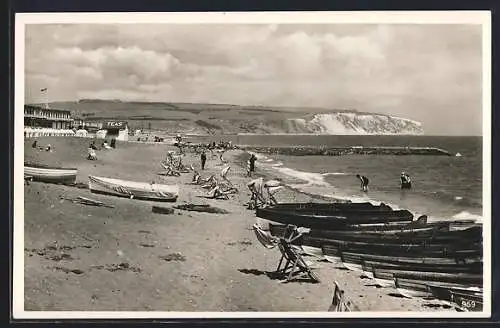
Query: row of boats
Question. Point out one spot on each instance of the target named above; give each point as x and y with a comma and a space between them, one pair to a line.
442, 260
103, 185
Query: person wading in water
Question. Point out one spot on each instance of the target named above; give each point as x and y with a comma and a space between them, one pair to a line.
405, 181
364, 182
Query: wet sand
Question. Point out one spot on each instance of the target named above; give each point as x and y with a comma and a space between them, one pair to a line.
126, 258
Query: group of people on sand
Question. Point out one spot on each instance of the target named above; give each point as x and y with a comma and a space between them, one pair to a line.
262, 192
404, 180
46, 148
91, 151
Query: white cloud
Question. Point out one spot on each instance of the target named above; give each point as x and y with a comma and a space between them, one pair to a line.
377, 67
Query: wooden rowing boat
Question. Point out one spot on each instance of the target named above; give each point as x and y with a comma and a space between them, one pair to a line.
132, 189
458, 278
436, 236
330, 220
50, 174
356, 263
401, 248
471, 300
416, 288
473, 268
345, 207
473, 251
414, 260
418, 225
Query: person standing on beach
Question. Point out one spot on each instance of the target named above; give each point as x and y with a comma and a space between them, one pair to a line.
252, 160
364, 182
251, 165
405, 181
203, 158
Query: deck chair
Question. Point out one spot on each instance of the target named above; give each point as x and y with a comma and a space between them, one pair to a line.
264, 237
294, 261
271, 191
217, 193
291, 233
257, 199
228, 188
208, 183
340, 303
169, 171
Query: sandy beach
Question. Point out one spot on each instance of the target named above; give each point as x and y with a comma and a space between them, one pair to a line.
126, 258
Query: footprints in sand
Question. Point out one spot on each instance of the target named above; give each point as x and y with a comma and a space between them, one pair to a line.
177, 257
146, 245
66, 270
123, 266
55, 252
242, 243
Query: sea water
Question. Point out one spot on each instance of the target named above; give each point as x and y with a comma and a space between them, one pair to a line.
443, 187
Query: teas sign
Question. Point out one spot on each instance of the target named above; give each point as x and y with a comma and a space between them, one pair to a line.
115, 125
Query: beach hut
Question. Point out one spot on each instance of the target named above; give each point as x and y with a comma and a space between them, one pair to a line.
81, 133
116, 130
101, 134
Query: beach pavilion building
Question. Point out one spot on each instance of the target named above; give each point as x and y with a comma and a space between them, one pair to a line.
40, 121
115, 130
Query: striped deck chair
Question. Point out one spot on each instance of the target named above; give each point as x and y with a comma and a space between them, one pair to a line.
340, 303
264, 237
294, 261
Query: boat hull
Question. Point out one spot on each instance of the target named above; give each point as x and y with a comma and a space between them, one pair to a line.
334, 250
458, 278
469, 300
329, 220
52, 175
132, 189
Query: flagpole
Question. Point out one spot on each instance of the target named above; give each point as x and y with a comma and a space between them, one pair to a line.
45, 92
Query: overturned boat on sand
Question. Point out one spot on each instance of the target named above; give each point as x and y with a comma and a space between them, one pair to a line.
135, 190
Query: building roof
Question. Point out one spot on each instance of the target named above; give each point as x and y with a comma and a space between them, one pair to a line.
39, 106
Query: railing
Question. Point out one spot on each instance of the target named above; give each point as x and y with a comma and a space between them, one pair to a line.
46, 117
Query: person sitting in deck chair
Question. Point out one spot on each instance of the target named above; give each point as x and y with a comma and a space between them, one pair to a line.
196, 177
92, 156
272, 187
256, 188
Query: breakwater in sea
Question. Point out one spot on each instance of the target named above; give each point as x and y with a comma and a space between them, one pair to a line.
349, 150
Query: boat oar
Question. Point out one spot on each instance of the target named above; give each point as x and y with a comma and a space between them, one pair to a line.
88, 201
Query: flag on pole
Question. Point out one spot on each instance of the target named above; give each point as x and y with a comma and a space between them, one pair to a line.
44, 89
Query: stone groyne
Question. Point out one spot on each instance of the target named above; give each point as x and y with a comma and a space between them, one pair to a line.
346, 150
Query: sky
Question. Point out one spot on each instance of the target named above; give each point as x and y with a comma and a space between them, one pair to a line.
429, 73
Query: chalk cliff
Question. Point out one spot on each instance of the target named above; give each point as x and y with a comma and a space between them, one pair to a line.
350, 123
